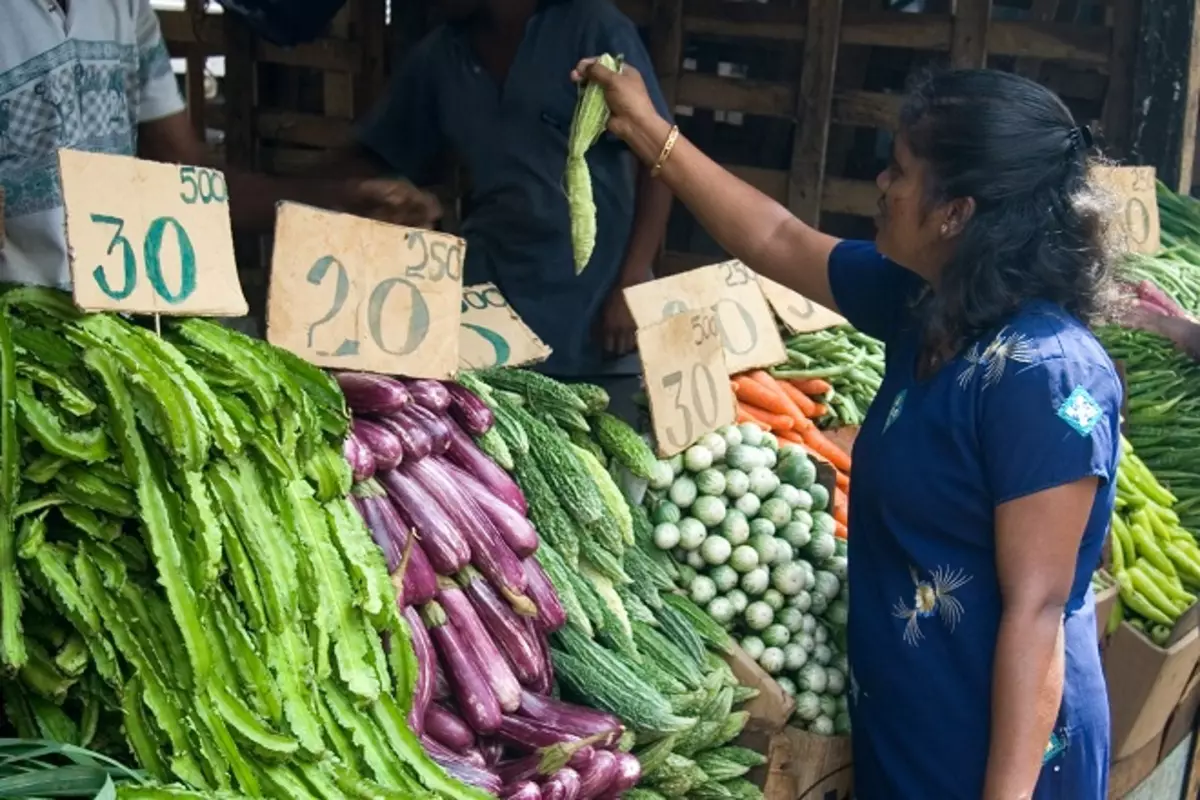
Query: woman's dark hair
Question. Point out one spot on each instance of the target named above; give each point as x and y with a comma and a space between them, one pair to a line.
1039, 230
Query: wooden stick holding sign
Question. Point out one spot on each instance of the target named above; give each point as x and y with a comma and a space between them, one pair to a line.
747, 328
683, 366
148, 238
1137, 198
493, 335
352, 293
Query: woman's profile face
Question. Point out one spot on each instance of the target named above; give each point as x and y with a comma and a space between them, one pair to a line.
908, 226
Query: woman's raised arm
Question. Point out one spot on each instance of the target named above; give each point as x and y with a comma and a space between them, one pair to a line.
751, 226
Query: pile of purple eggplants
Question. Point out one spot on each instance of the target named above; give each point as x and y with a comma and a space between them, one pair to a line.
453, 527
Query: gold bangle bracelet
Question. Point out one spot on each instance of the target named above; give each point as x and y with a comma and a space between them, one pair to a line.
668, 146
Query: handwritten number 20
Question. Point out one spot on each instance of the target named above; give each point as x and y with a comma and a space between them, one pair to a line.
418, 323
151, 258
701, 373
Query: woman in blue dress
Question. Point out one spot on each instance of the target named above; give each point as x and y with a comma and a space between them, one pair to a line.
984, 475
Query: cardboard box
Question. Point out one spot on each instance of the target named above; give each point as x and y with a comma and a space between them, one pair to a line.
1126, 774
803, 766
1183, 719
1145, 684
771, 710
1105, 600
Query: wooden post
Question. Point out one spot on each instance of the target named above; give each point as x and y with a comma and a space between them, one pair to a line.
814, 103
1166, 80
196, 60
968, 40
1118, 98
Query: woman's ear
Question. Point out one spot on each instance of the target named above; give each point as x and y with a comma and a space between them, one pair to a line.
958, 213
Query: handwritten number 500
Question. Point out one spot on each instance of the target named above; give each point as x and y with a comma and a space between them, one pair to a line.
151, 257
701, 375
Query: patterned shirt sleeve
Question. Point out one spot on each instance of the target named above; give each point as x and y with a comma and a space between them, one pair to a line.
872, 292
1046, 422
158, 93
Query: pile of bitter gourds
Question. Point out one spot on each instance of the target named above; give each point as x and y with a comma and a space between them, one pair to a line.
181, 576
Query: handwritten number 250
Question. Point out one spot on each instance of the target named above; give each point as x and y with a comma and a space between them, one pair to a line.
701, 374
151, 258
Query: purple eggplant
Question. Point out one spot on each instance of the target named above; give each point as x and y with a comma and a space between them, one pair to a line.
571, 719
545, 681
428, 394
384, 445
372, 394
426, 667
627, 775
446, 727
527, 734
489, 553
525, 790
418, 581
360, 459
506, 627
483, 471
437, 427
472, 694
447, 550
441, 686
478, 640
551, 615
544, 761
466, 768
599, 775
516, 530
582, 759
412, 436
492, 750
564, 784
468, 410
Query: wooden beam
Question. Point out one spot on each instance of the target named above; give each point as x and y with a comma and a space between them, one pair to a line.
895, 29
312, 130
969, 36
812, 109
845, 196
1041, 11
734, 94
1052, 41
867, 109
1164, 82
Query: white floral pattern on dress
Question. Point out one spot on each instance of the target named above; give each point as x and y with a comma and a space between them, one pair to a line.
994, 358
894, 411
932, 596
1081, 411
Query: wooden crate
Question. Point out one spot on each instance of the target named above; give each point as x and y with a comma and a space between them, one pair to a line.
821, 80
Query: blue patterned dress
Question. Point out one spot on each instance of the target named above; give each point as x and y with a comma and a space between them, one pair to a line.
1029, 406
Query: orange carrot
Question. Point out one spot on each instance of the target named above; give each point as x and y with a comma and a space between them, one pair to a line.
743, 417
812, 386
817, 441
791, 436
750, 392
777, 422
840, 530
820, 410
803, 402
843, 481
841, 507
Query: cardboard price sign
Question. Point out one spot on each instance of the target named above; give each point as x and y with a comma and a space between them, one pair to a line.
797, 312
352, 293
687, 383
1138, 205
492, 334
747, 327
148, 238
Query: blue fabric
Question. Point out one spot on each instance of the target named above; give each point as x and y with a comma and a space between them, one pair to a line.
1031, 405
513, 142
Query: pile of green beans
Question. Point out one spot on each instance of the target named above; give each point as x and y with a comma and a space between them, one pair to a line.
849, 360
1162, 413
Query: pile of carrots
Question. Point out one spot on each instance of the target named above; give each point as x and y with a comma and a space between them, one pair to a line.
787, 409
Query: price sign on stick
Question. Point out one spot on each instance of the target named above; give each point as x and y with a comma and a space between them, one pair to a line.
744, 320
796, 311
687, 379
1137, 209
491, 333
148, 238
352, 293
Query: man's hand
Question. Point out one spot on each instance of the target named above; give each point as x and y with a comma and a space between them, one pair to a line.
617, 330
394, 201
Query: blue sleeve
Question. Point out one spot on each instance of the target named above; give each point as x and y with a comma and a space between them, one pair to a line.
615, 33
1048, 423
872, 292
403, 129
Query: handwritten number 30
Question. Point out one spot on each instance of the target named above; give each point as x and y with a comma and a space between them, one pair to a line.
151, 258
707, 416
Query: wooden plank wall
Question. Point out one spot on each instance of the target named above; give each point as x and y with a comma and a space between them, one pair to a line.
849, 60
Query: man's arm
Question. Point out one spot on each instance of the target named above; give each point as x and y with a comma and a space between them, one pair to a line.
358, 189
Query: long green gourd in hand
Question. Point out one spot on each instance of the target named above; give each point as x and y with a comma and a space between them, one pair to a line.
589, 122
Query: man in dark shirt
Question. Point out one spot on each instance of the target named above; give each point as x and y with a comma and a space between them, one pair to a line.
493, 86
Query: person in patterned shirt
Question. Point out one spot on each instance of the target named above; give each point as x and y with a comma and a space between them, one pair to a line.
95, 75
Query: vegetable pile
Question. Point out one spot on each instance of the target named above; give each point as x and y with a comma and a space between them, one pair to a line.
180, 568
1155, 562
749, 527
632, 646
840, 367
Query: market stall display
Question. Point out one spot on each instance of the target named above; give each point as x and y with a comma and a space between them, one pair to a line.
180, 562
840, 368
